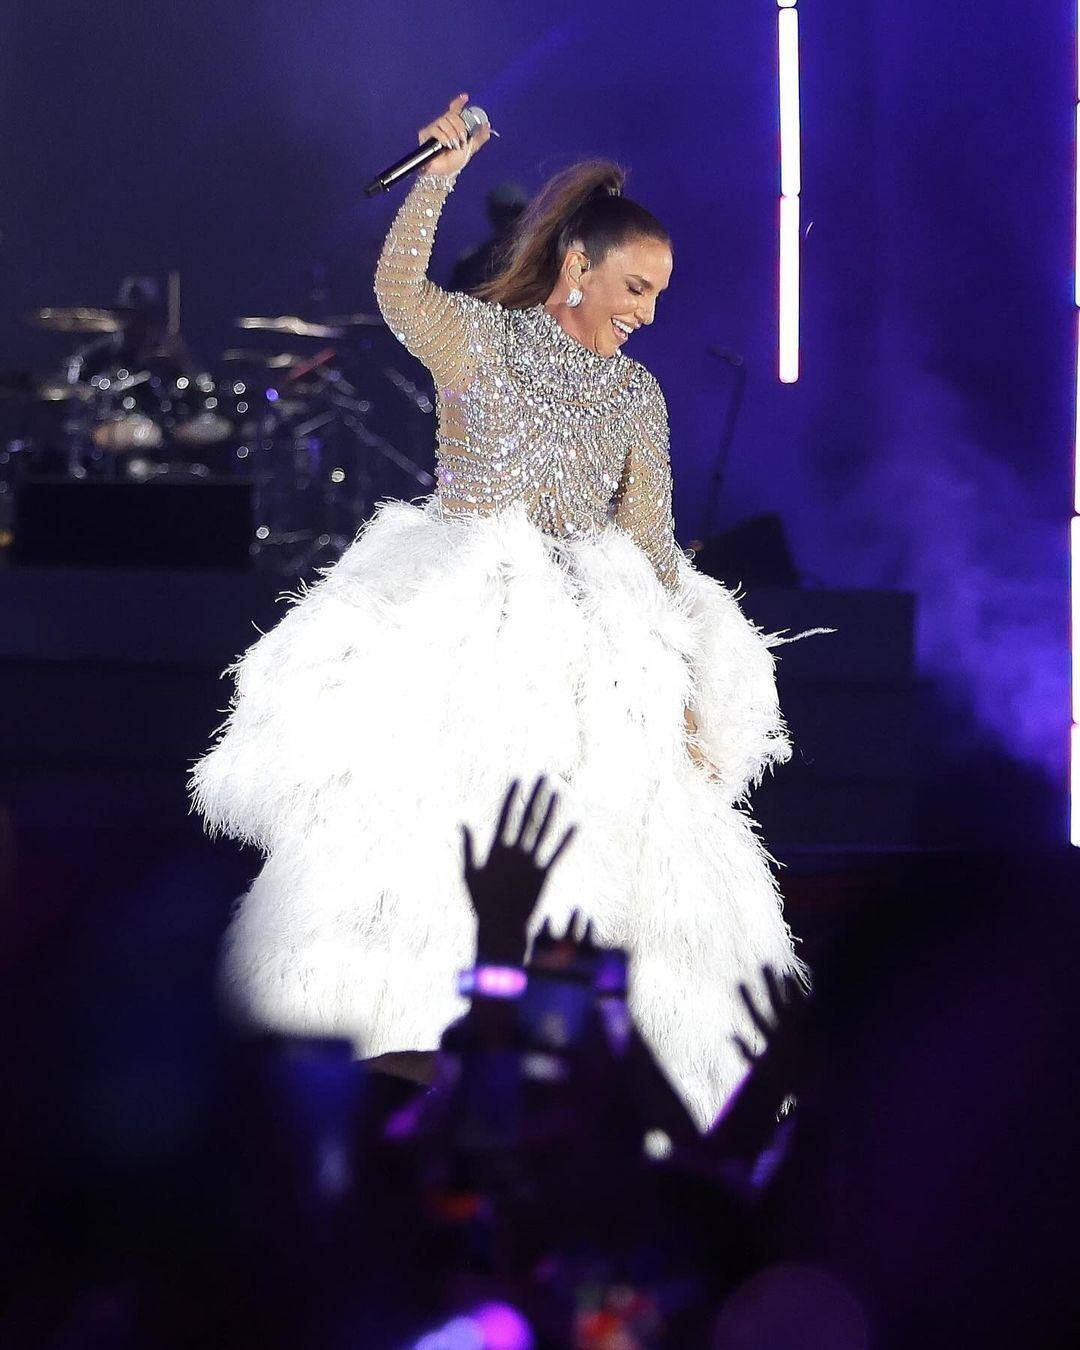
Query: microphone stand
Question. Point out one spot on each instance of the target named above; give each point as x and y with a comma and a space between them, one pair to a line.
727, 435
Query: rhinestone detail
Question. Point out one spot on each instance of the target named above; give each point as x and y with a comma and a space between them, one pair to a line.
526, 412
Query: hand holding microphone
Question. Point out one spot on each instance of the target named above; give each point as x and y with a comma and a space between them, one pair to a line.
446, 145
452, 130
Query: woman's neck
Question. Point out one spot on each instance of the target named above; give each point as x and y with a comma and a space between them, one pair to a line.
558, 312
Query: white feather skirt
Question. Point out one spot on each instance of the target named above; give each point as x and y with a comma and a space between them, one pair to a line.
399, 696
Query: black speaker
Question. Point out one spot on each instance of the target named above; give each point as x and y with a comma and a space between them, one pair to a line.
754, 552
153, 524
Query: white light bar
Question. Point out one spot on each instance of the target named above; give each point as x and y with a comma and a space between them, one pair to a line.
1074, 787
1076, 222
1074, 614
790, 150
790, 188
1074, 530
789, 289
1076, 436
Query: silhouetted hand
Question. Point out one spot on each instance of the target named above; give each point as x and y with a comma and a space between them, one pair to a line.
505, 889
779, 1022
573, 948
748, 1120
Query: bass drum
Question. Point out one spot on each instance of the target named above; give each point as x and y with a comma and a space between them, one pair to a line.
169, 423
128, 415
199, 415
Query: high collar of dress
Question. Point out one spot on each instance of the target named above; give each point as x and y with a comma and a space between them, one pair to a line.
555, 333
557, 364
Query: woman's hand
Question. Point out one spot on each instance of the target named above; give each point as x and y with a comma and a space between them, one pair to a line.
450, 130
693, 747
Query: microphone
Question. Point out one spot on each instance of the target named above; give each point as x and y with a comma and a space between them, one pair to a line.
473, 117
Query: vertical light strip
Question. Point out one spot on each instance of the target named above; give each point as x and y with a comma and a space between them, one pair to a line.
1074, 611
1076, 229
1074, 786
789, 289
1075, 527
790, 187
1074, 740
1074, 532
1076, 436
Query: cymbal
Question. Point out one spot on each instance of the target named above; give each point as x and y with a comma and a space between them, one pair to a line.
80, 319
57, 390
272, 360
357, 321
292, 324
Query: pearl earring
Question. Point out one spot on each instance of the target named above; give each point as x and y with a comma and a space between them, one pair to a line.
574, 298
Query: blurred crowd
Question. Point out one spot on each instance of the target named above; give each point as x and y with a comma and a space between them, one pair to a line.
894, 1170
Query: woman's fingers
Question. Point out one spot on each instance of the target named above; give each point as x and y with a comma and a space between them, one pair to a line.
456, 129
457, 124
451, 115
443, 132
450, 130
446, 129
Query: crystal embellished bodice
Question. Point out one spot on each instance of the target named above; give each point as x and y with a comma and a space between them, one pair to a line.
526, 412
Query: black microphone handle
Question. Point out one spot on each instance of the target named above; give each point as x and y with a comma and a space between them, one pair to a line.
419, 157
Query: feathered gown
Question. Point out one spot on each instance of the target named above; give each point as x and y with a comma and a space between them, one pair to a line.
534, 615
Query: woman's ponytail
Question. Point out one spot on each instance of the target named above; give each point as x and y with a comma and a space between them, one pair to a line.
583, 202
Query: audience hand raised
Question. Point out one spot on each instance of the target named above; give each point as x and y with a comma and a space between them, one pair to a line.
505, 888
787, 1003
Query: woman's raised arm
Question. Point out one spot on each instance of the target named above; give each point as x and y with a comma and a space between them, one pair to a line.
434, 325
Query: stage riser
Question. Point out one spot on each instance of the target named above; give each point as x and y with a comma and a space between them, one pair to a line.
143, 714
110, 686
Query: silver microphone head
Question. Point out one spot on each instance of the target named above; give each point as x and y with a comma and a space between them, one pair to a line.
474, 118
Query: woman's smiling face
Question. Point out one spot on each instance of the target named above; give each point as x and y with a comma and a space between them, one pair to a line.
618, 294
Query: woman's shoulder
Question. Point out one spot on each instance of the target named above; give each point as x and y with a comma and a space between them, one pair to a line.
650, 408
645, 383
480, 309
478, 306
484, 320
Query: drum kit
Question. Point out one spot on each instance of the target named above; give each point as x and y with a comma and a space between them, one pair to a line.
130, 403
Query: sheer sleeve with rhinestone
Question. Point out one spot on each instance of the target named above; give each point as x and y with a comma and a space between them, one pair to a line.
643, 498
433, 324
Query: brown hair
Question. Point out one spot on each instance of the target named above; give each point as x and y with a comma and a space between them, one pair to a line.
583, 202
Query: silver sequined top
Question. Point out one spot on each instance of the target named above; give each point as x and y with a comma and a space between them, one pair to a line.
525, 411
